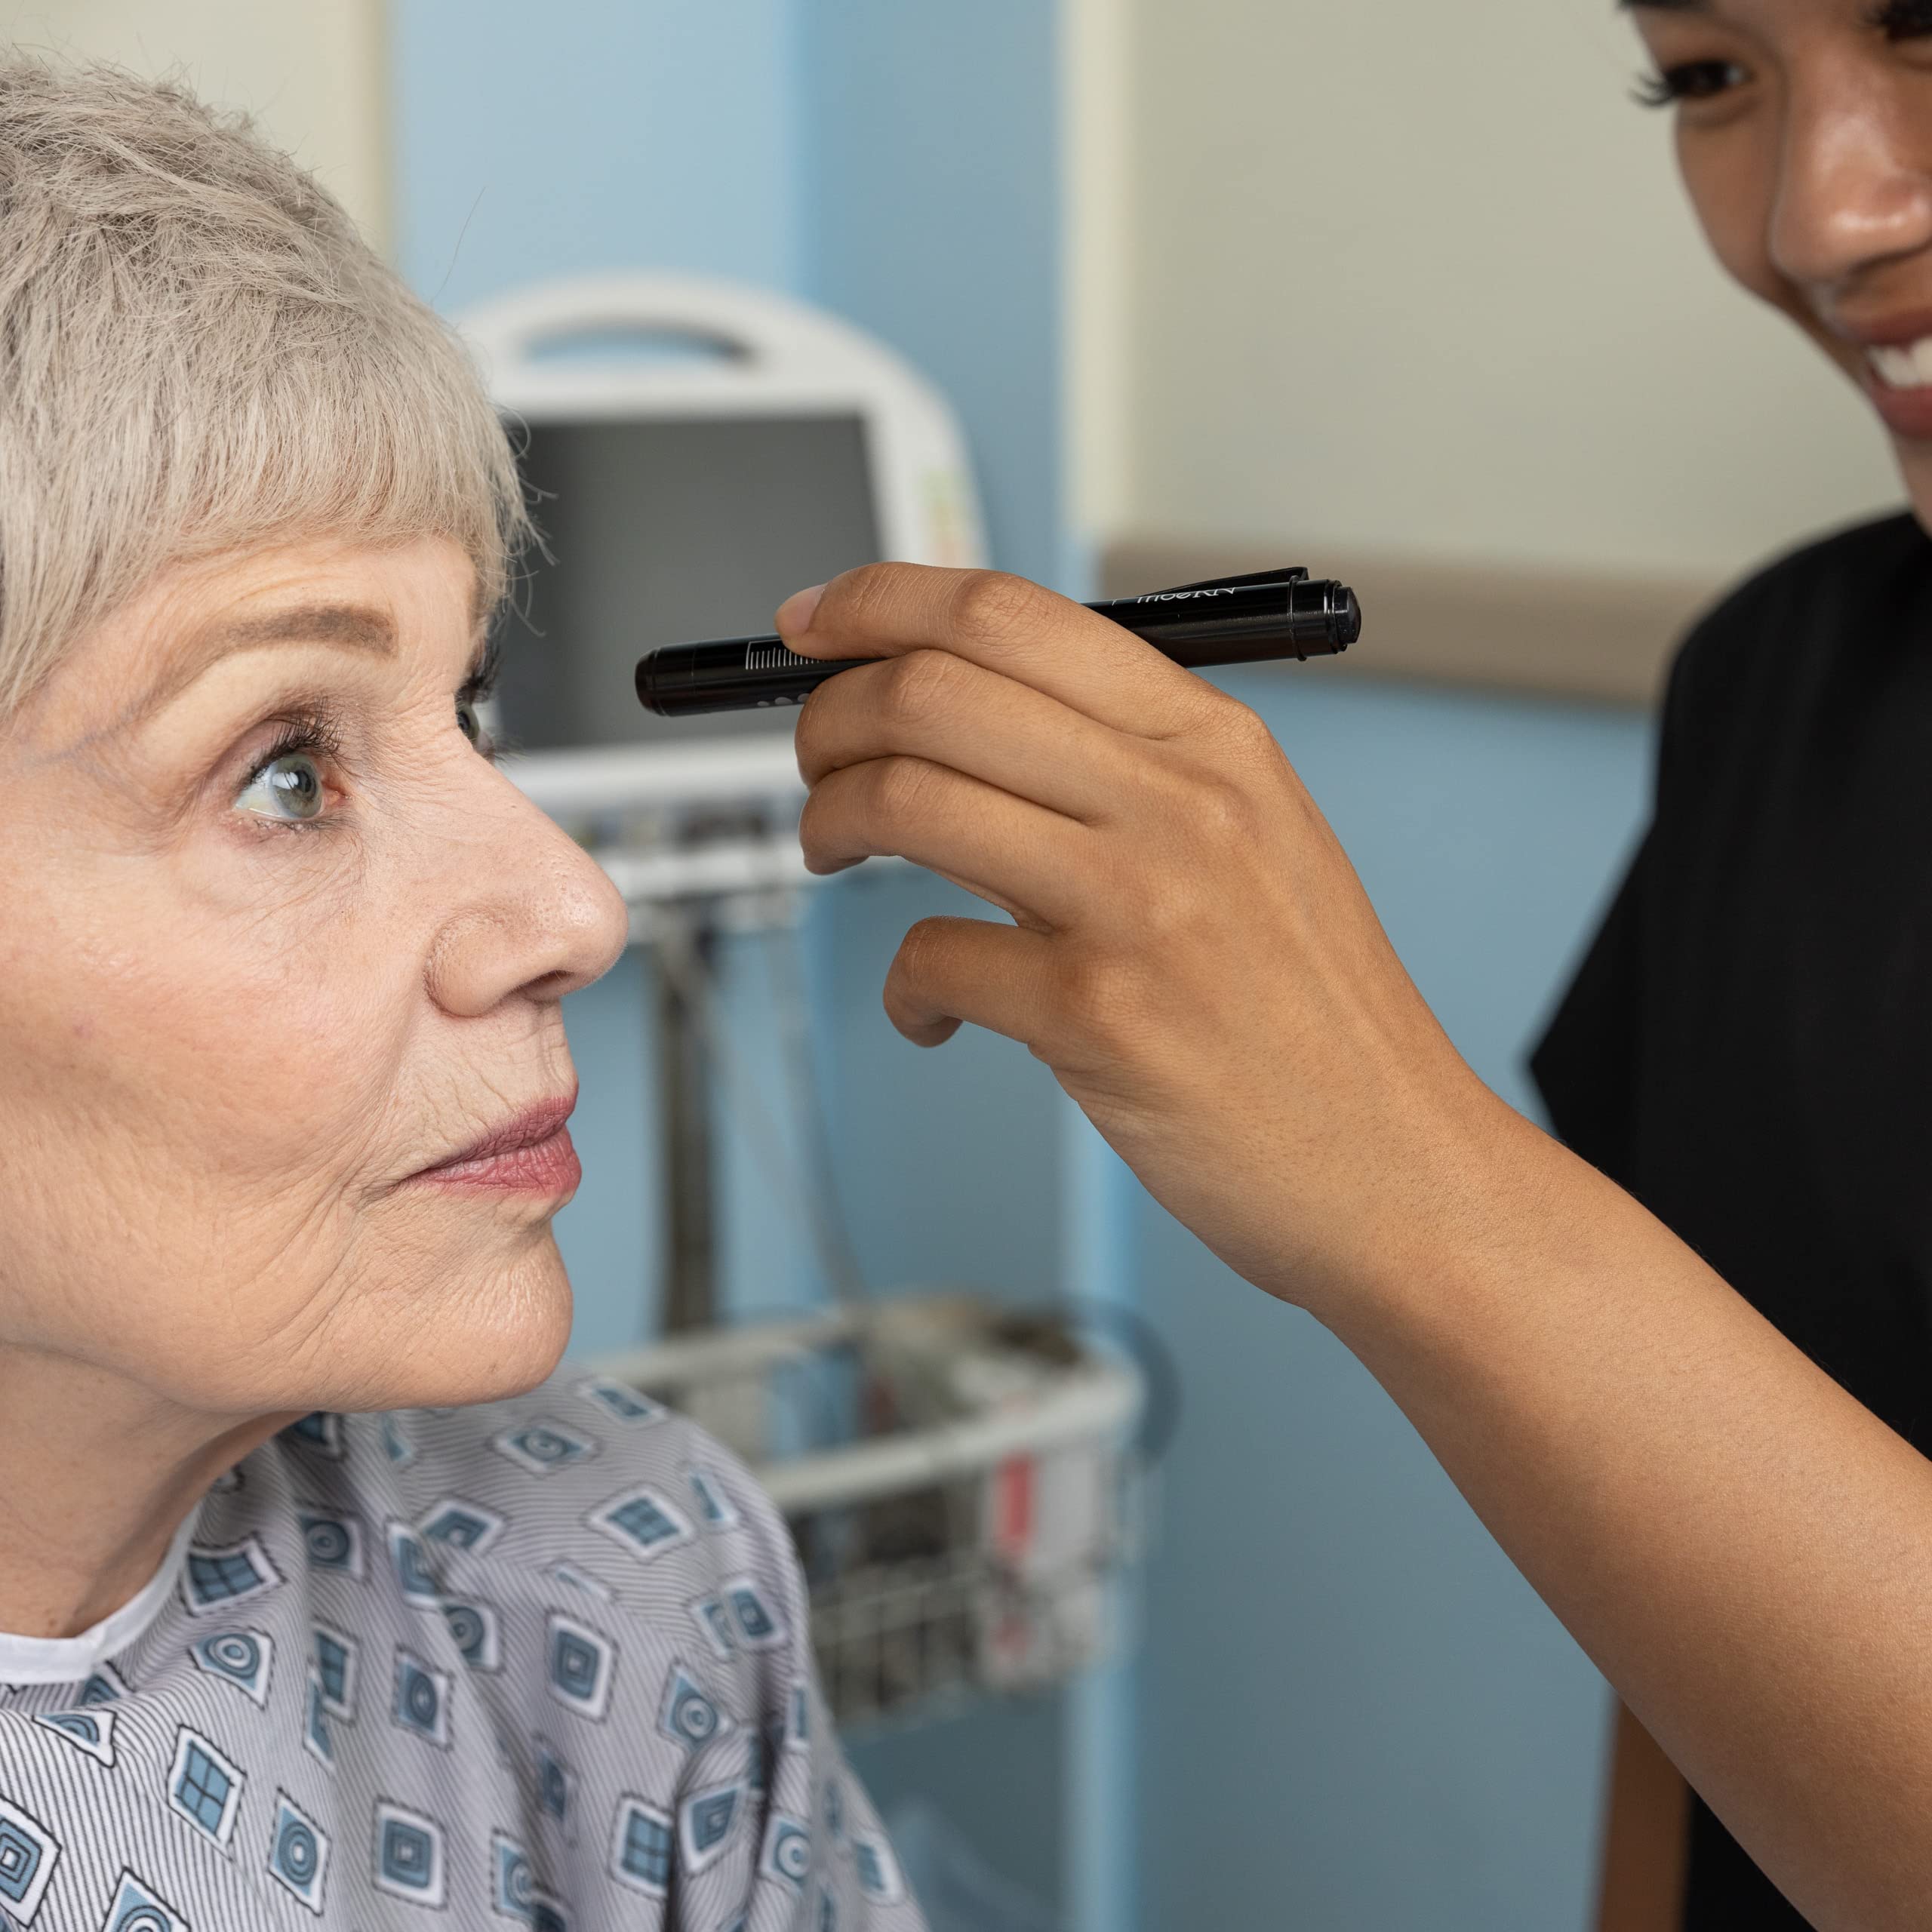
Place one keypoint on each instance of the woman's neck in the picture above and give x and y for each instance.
(100, 1476)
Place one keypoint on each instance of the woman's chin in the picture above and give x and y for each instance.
(484, 1340)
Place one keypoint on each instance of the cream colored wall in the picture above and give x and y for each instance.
(312, 72)
(1408, 276)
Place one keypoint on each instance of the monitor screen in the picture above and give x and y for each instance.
(662, 529)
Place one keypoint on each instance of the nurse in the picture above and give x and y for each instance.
(1678, 1365)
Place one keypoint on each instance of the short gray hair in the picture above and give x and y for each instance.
(198, 353)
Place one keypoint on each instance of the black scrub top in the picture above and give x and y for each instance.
(1747, 1047)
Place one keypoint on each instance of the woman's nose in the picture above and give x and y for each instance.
(538, 917)
(1854, 184)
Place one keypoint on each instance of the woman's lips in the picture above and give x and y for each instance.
(530, 1155)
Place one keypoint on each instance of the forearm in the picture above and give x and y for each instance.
(1646, 1834)
(1745, 1551)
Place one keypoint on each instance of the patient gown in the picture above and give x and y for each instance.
(540, 1664)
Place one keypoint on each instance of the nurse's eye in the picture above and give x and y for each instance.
(287, 787)
(1903, 19)
(1690, 80)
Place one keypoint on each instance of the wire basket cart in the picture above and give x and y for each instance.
(959, 1478)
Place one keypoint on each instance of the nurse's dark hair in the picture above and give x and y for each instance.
(199, 354)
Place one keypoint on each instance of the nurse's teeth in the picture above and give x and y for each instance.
(1904, 365)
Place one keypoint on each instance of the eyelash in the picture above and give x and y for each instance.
(1902, 20)
(313, 733)
(1680, 83)
(1896, 20)
(477, 690)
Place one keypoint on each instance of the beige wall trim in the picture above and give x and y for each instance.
(1573, 634)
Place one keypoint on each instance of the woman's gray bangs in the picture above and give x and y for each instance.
(198, 353)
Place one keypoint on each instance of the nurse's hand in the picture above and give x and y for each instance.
(1191, 952)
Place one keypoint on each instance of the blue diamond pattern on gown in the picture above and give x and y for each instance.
(543, 1447)
(463, 1525)
(877, 1870)
(624, 1405)
(216, 1578)
(758, 1624)
(474, 1628)
(335, 1654)
(28, 1854)
(242, 1658)
(554, 1782)
(205, 1786)
(91, 1731)
(320, 1432)
(421, 1702)
(409, 1854)
(713, 1504)
(787, 1850)
(512, 1884)
(396, 1445)
(455, 1691)
(332, 1542)
(642, 1846)
(690, 1714)
(644, 1521)
(705, 1823)
(411, 1563)
(717, 1626)
(316, 1735)
(138, 1907)
(104, 1685)
(298, 1853)
(583, 1665)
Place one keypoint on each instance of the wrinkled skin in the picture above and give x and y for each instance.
(230, 1037)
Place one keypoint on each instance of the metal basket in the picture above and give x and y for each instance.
(957, 1477)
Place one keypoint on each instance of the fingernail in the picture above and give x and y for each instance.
(795, 614)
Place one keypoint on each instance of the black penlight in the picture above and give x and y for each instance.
(1265, 615)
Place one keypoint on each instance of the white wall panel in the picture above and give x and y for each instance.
(1407, 277)
(312, 72)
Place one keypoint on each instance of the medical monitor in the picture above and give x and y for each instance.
(660, 529)
(695, 450)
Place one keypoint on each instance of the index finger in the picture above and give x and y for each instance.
(1005, 624)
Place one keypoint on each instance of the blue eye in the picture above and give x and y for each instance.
(469, 722)
(288, 787)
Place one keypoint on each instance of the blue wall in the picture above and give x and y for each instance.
(1348, 1711)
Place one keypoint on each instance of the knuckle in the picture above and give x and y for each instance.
(918, 953)
(1238, 730)
(901, 788)
(1100, 994)
(992, 607)
(1225, 812)
(918, 686)
(859, 597)
(1165, 907)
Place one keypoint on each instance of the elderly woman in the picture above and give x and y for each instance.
(321, 1606)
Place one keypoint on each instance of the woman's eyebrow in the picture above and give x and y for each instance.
(360, 626)
(357, 624)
